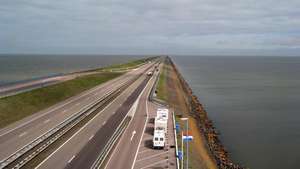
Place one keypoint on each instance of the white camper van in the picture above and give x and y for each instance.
(162, 112)
(161, 123)
(159, 139)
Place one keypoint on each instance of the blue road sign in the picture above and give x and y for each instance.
(177, 127)
(187, 138)
(180, 155)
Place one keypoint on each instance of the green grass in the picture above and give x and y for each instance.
(14, 108)
(129, 65)
(161, 86)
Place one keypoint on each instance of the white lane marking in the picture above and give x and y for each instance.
(103, 123)
(147, 113)
(155, 155)
(77, 104)
(144, 151)
(133, 133)
(60, 106)
(128, 127)
(64, 111)
(91, 137)
(150, 165)
(114, 112)
(46, 121)
(23, 134)
(71, 159)
(82, 129)
(76, 133)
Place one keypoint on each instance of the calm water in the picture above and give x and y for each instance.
(22, 67)
(254, 103)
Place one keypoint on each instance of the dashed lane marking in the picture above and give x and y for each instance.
(133, 133)
(152, 156)
(71, 159)
(153, 164)
(91, 137)
(22, 134)
(46, 121)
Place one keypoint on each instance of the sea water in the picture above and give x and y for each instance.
(254, 103)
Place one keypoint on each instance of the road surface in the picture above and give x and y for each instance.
(24, 131)
(82, 149)
(125, 153)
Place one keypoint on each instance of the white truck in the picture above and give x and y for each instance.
(159, 139)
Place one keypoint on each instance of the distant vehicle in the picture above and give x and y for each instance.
(150, 73)
(159, 139)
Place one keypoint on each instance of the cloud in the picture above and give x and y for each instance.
(153, 26)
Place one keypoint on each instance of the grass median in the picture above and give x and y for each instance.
(124, 66)
(14, 108)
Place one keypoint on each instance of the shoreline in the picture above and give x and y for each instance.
(13, 88)
(206, 127)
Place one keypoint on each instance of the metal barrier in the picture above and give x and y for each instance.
(67, 124)
(176, 145)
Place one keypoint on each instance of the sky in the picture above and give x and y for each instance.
(196, 27)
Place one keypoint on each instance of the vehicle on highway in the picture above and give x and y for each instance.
(162, 112)
(160, 127)
(159, 139)
(150, 73)
(161, 123)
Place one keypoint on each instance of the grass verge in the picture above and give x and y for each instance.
(129, 65)
(161, 87)
(172, 92)
(14, 108)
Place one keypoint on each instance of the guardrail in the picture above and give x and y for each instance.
(101, 158)
(111, 142)
(60, 129)
(55, 133)
(175, 137)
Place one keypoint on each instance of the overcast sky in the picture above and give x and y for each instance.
(245, 27)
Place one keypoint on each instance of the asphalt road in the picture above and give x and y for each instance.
(82, 149)
(24, 131)
(125, 153)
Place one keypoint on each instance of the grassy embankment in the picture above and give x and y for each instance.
(162, 92)
(169, 89)
(125, 66)
(14, 108)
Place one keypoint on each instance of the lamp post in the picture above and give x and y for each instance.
(182, 150)
(187, 142)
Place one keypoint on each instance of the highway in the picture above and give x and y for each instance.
(124, 155)
(83, 148)
(17, 135)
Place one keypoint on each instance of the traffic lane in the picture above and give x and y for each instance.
(60, 106)
(12, 144)
(88, 155)
(17, 139)
(61, 157)
(125, 151)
